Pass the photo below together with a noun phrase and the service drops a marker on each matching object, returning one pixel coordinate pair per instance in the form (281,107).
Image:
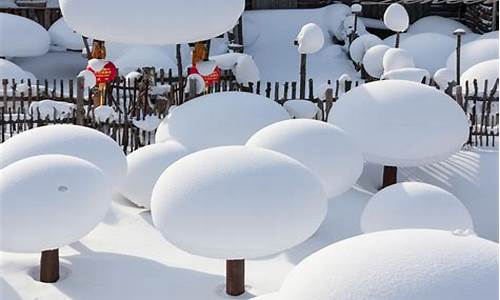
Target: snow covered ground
(126,258)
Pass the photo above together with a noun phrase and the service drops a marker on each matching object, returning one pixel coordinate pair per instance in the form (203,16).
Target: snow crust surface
(325,149)
(415,205)
(49,201)
(206,212)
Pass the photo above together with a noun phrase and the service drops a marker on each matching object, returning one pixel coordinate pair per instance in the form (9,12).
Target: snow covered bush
(50,201)
(396,58)
(287,204)
(373,60)
(429,50)
(302,109)
(323,148)
(415,205)
(78,141)
(473,53)
(396,18)
(487,70)
(228,118)
(63,36)
(22,37)
(398,264)
(145,166)
(187,21)
(310,39)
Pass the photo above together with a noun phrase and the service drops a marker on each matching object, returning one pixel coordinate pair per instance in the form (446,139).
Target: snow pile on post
(373,60)
(82,142)
(63,36)
(396,18)
(22,37)
(393,114)
(325,149)
(145,166)
(162,22)
(50,201)
(310,39)
(398,264)
(228,118)
(429,50)
(415,205)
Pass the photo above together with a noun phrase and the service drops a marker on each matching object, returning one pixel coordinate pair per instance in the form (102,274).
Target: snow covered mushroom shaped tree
(395,126)
(396,19)
(309,40)
(415,205)
(234,184)
(463,267)
(50,201)
(78,141)
(323,148)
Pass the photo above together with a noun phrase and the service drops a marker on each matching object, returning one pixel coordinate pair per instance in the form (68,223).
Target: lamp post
(458,33)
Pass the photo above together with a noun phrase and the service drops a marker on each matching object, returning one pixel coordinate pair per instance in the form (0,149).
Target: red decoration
(210,78)
(107,74)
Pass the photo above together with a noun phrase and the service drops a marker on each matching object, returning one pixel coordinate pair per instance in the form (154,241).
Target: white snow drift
(399,264)
(50,201)
(415,205)
(237,202)
(145,166)
(21,37)
(164,21)
(401,123)
(310,39)
(437,24)
(325,149)
(443,77)
(78,141)
(220,119)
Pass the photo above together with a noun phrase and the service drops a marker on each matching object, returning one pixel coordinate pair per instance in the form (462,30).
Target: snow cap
(310,39)
(396,18)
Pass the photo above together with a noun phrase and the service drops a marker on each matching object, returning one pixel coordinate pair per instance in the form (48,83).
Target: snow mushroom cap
(50,201)
(187,21)
(410,264)
(391,115)
(145,166)
(415,205)
(221,119)
(63,36)
(473,53)
(429,50)
(487,70)
(237,202)
(373,60)
(397,58)
(73,140)
(310,38)
(323,148)
(22,37)
(396,18)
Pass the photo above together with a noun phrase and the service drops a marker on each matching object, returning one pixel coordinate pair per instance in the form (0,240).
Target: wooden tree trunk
(303,63)
(49,266)
(235,277)
(390,176)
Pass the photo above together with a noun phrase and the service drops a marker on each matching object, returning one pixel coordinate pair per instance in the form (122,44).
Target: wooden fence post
(329,102)
(390,176)
(192,88)
(49,266)
(80,87)
(303,63)
(235,277)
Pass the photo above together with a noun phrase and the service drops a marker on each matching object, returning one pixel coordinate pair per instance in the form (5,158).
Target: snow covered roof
(237,202)
(21,37)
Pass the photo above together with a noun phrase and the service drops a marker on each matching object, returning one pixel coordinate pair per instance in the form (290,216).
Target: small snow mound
(397,58)
(50,109)
(473,53)
(105,113)
(150,123)
(89,79)
(310,39)
(210,221)
(396,18)
(373,60)
(206,67)
(325,149)
(199,83)
(414,205)
(301,109)
(246,70)
(437,24)
(443,77)
(97,64)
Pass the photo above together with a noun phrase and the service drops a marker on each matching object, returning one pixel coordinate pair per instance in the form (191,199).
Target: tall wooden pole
(398,39)
(458,33)
(49,266)
(390,176)
(235,277)
(303,63)
(179,72)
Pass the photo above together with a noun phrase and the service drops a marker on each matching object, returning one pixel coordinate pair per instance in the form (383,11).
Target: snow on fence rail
(133,110)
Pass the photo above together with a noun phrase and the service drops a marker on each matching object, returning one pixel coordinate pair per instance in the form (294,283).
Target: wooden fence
(135,105)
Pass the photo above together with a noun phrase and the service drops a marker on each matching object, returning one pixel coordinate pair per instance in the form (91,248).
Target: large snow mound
(398,264)
(221,119)
(415,205)
(429,50)
(391,115)
(487,70)
(325,149)
(396,18)
(65,37)
(78,141)
(437,24)
(50,201)
(237,202)
(20,37)
(310,39)
(163,21)
(473,53)
(145,166)
(144,56)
